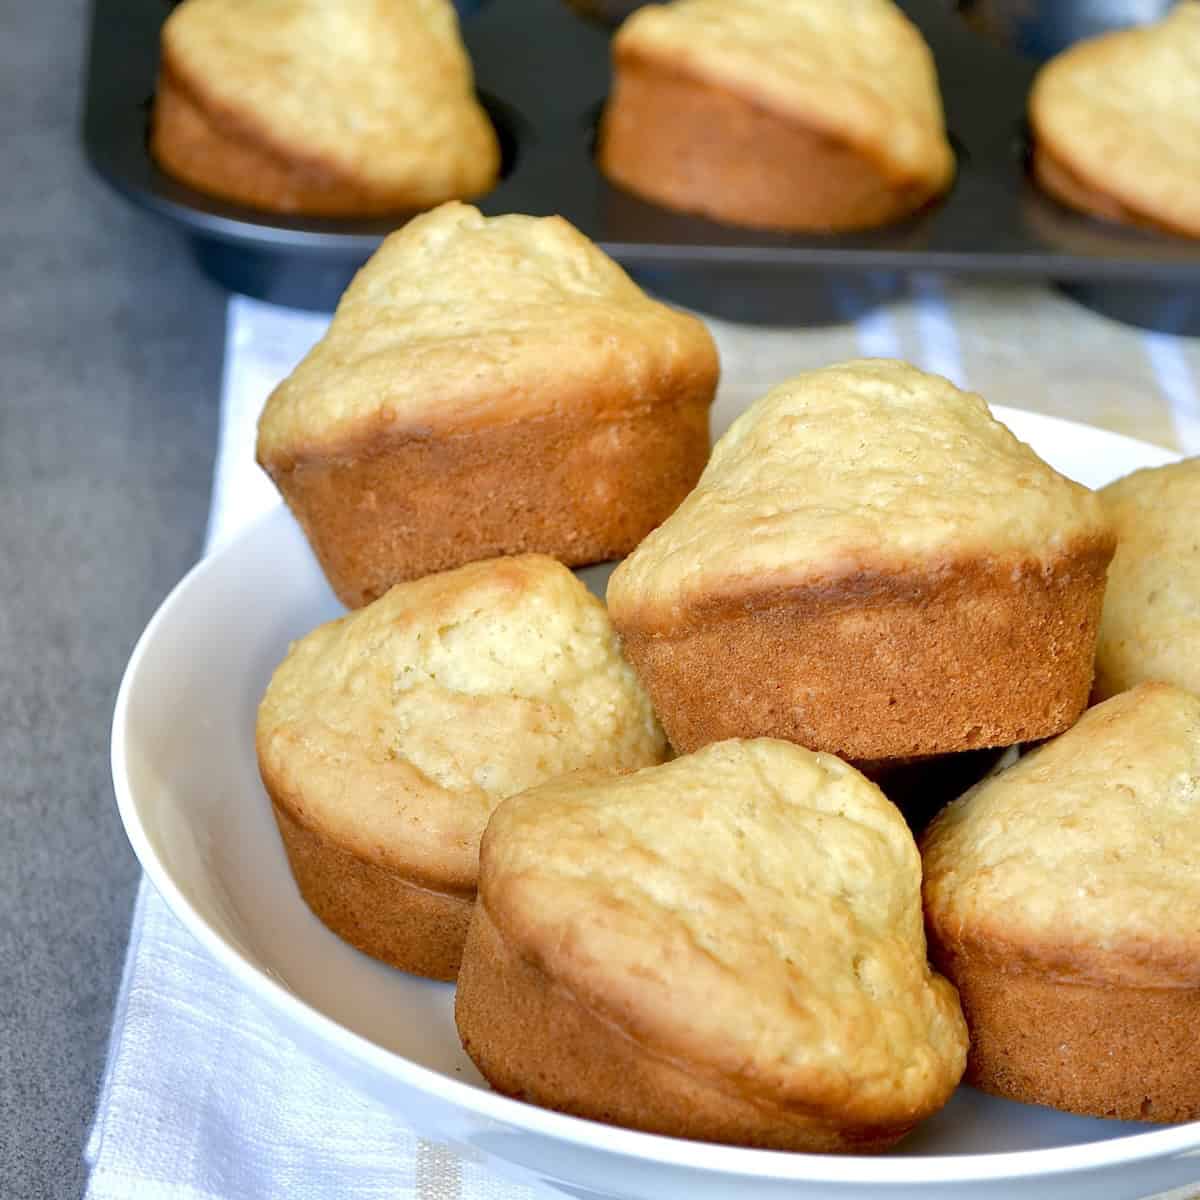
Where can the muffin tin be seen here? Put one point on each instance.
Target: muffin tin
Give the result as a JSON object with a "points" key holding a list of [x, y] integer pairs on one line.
{"points": [[543, 73]]}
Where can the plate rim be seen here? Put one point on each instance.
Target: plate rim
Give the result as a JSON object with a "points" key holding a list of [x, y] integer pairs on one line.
{"points": [[610, 1140]]}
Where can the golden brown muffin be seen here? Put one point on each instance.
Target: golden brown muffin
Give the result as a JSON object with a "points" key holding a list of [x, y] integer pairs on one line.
{"points": [[1063, 898], [777, 114], [1116, 124], [325, 107], [728, 947], [872, 566], [488, 386], [1150, 626], [386, 738]]}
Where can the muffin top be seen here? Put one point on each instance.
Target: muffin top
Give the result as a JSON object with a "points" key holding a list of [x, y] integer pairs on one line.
{"points": [[397, 729], [753, 906], [1122, 112], [460, 321], [1082, 859], [858, 70], [847, 478], [379, 90], [1150, 628]]}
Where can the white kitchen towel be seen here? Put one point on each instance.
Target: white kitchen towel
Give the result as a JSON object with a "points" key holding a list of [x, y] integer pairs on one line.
{"points": [[203, 1097]]}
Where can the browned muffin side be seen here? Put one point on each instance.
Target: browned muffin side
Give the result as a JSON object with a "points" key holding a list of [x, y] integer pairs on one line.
{"points": [[727, 947], [776, 114], [386, 738], [1062, 898], [321, 107], [870, 566], [488, 386], [1115, 122]]}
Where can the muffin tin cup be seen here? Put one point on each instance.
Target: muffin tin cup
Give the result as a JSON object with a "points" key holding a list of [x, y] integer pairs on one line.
{"points": [[761, 297], [1040, 29], [292, 280], [1162, 308], [545, 93]]}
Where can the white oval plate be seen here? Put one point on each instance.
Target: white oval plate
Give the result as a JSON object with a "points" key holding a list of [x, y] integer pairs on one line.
{"points": [[189, 794]]}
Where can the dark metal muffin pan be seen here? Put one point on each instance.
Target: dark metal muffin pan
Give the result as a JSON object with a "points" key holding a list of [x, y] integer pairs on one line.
{"points": [[543, 73]]}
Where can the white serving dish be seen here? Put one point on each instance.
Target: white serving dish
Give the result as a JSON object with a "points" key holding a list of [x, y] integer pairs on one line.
{"points": [[189, 794]]}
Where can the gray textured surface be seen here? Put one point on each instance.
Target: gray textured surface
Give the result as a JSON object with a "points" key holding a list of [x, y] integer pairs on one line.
{"points": [[111, 356]]}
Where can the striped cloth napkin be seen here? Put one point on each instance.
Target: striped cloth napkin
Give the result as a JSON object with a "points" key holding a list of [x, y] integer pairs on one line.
{"points": [[203, 1098]]}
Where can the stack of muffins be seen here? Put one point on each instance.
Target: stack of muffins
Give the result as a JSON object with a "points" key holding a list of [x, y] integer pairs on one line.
{"points": [[649, 839]]}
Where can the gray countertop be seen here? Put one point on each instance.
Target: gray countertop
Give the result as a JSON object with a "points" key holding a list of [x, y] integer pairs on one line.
{"points": [[112, 348]]}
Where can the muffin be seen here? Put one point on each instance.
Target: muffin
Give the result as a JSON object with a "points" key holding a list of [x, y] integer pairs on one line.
{"points": [[777, 114], [1115, 122], [386, 738], [323, 107], [727, 947], [487, 387], [871, 566], [1150, 626], [1063, 899]]}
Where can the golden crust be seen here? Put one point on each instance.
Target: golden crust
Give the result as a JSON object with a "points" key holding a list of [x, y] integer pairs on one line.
{"points": [[1118, 118], [1081, 860], [579, 489], [678, 141], [882, 668], [791, 974], [1061, 182], [872, 566], [319, 107], [393, 733], [865, 468], [591, 1068], [858, 73], [379, 911], [1098, 1050], [488, 386], [459, 322], [1150, 628], [397, 729], [1062, 897]]}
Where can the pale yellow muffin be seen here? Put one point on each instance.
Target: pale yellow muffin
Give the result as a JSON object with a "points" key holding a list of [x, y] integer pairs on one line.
{"points": [[783, 114], [1063, 898], [1116, 124], [488, 386], [386, 739], [727, 947], [872, 566], [1150, 627], [336, 107]]}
